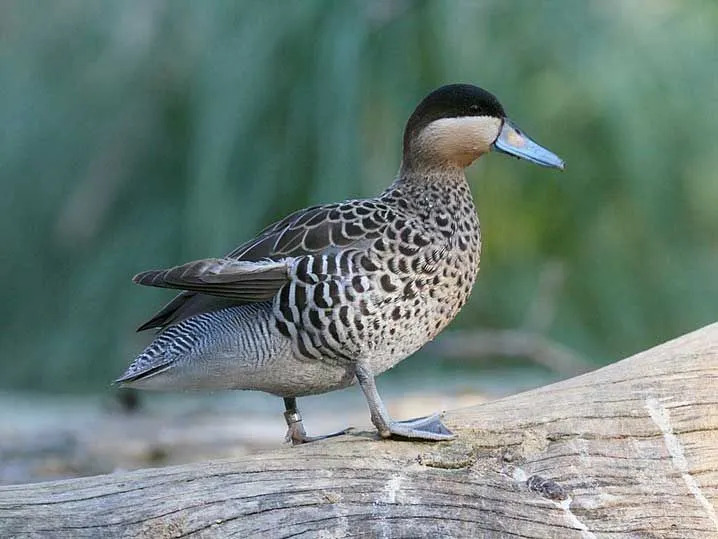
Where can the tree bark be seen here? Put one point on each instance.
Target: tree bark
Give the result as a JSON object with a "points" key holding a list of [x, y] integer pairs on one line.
{"points": [[630, 450]]}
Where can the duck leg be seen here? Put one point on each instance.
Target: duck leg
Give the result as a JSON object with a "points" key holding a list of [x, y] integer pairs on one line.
{"points": [[295, 428], [422, 428]]}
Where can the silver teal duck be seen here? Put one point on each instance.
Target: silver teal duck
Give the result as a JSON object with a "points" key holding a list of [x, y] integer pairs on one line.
{"points": [[336, 294]]}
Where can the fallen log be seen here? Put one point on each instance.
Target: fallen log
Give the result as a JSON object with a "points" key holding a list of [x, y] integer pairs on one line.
{"points": [[629, 450]]}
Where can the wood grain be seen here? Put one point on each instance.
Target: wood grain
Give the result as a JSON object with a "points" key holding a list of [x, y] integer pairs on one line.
{"points": [[630, 450]]}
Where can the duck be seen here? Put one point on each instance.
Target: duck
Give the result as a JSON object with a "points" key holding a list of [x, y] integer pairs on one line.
{"points": [[336, 294]]}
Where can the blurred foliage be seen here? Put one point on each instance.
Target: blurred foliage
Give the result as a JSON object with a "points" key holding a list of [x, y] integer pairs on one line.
{"points": [[145, 133]]}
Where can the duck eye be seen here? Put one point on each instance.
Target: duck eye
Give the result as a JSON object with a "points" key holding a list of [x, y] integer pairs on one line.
{"points": [[474, 108]]}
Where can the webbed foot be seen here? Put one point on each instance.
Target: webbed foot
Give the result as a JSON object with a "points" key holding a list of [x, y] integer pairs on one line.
{"points": [[421, 428], [428, 428]]}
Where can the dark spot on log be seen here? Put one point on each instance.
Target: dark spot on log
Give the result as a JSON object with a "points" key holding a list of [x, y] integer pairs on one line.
{"points": [[548, 488]]}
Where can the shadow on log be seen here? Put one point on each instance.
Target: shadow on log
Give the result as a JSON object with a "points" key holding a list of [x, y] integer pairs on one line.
{"points": [[630, 450]]}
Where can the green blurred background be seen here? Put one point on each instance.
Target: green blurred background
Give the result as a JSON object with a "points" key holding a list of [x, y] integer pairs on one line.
{"points": [[146, 133]]}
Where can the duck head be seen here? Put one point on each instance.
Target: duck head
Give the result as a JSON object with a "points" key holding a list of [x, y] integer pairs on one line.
{"points": [[456, 124]]}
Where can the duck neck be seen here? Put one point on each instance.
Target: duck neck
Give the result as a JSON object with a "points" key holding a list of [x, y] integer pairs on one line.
{"points": [[428, 190], [444, 174]]}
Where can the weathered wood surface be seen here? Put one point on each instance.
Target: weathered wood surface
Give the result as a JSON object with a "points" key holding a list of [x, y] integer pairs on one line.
{"points": [[630, 450], [53, 437]]}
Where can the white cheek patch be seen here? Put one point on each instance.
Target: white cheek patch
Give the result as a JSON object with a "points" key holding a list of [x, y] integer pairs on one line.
{"points": [[459, 140]]}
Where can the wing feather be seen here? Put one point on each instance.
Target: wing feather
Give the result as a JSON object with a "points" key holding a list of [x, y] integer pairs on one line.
{"points": [[239, 280], [213, 284]]}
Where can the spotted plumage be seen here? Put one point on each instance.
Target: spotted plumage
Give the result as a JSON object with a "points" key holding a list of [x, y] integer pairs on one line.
{"points": [[339, 293]]}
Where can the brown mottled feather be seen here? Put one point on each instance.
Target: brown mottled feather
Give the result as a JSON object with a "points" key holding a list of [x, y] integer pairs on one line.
{"points": [[314, 230]]}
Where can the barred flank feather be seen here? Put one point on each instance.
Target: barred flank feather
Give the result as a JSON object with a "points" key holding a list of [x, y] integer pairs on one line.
{"points": [[241, 330]]}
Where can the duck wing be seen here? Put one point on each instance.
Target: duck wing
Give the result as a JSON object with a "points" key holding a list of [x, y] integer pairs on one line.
{"points": [[239, 280], [256, 270]]}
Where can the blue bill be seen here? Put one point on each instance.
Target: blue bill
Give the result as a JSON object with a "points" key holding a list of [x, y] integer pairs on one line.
{"points": [[514, 142]]}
